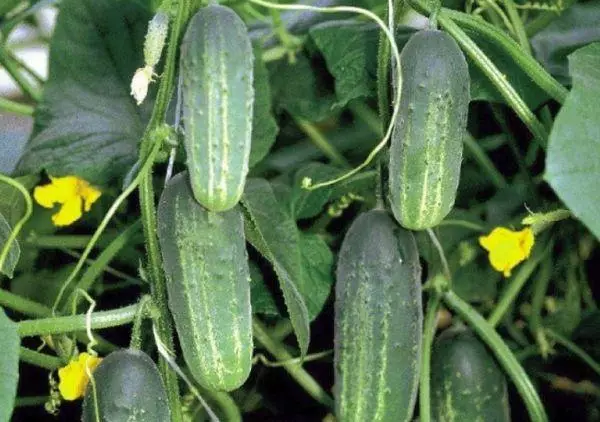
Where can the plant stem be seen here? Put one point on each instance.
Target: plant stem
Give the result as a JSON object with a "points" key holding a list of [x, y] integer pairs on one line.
{"points": [[68, 324], [516, 285], [462, 223], [130, 280], [229, 409], [68, 241], [539, 293], [428, 335], [39, 359], [148, 208], [97, 267], [13, 70], [484, 162], [517, 23], [15, 107], [34, 309], [505, 357], [321, 142], [573, 348], [526, 63], [23, 305], [303, 378]]}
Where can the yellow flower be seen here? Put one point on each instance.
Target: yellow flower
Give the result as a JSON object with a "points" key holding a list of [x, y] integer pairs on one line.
{"points": [[73, 377], [70, 191], [507, 248]]}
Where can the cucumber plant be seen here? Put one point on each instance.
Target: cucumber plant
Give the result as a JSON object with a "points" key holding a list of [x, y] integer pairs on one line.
{"points": [[267, 192]]}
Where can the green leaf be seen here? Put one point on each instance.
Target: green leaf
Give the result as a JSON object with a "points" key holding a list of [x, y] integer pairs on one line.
{"points": [[318, 262], [9, 366], [14, 250], [574, 28], [263, 301], [297, 89], [308, 203], [572, 164], [350, 51], [264, 125], [87, 123], [481, 87], [275, 235]]}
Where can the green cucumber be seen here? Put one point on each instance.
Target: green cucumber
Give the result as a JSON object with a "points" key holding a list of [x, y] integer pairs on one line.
{"points": [[126, 387], [466, 382], [427, 140], [378, 321], [218, 97], [208, 286]]}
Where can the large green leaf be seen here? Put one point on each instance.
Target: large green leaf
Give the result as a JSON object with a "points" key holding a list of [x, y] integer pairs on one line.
{"points": [[574, 28], [350, 51], [275, 235], [263, 301], [9, 366], [317, 261], [14, 250], [299, 89], [573, 158], [87, 123], [264, 125]]}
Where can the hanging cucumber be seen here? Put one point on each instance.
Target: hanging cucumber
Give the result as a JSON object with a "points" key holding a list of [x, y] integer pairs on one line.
{"points": [[208, 285], [218, 98], [126, 387], [427, 140], [466, 382], [378, 321]]}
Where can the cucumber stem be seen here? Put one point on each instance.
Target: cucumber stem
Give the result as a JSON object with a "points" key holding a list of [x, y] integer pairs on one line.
{"points": [[303, 378], [34, 309], [39, 359], [148, 207], [15, 107], [573, 348], [516, 285], [68, 324], [321, 142], [100, 263]]}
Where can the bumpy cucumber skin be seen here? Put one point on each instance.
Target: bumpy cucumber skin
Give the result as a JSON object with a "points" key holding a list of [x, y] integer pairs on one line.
{"points": [[128, 389], [378, 321], [208, 285], [466, 382], [427, 140], [218, 99]]}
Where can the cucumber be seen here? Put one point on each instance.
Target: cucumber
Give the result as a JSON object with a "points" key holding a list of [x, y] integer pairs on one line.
{"points": [[378, 321], [208, 286], [218, 98], [128, 388], [427, 140], [466, 382]]}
